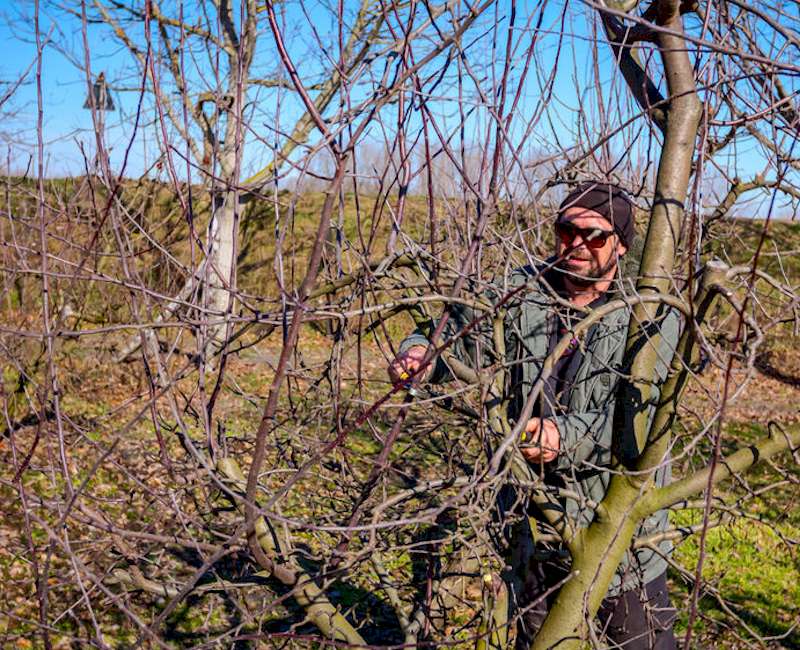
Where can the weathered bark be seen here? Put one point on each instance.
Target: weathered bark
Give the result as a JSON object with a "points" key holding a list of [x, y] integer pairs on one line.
{"points": [[642, 87]]}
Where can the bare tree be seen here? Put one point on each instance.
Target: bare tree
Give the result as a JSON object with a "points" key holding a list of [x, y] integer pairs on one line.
{"points": [[292, 495]]}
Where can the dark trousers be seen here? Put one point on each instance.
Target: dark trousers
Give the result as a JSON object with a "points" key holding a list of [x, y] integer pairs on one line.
{"points": [[639, 619]]}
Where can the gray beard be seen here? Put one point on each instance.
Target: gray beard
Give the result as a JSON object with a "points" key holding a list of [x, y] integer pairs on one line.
{"points": [[588, 278]]}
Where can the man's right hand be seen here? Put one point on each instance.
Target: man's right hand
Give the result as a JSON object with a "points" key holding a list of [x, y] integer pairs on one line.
{"points": [[407, 363], [542, 441]]}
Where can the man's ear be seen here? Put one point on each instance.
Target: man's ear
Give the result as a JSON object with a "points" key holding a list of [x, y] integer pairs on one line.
{"points": [[621, 248]]}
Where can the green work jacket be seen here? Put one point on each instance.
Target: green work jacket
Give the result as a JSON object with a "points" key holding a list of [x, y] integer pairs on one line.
{"points": [[586, 428]]}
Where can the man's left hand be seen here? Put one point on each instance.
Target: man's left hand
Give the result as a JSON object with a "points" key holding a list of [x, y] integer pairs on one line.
{"points": [[542, 438]]}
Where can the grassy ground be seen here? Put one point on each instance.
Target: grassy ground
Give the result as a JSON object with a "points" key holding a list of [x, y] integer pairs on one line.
{"points": [[752, 566], [754, 570]]}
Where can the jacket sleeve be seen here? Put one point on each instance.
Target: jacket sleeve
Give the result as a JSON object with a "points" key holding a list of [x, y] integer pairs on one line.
{"points": [[441, 373], [473, 349]]}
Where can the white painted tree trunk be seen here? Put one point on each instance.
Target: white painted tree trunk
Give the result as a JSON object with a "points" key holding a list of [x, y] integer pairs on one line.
{"points": [[220, 272]]}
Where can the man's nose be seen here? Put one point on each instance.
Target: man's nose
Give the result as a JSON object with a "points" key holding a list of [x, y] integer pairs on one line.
{"points": [[578, 241]]}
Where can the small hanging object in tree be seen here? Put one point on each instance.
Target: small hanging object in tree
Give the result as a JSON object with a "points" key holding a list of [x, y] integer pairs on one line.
{"points": [[102, 98]]}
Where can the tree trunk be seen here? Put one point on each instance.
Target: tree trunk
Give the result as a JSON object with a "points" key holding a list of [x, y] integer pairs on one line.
{"points": [[220, 276], [600, 548]]}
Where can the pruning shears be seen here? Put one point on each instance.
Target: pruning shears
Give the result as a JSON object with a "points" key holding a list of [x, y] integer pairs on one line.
{"points": [[444, 401]]}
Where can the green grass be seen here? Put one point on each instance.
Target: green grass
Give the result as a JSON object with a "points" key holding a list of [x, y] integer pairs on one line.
{"points": [[753, 569], [748, 562]]}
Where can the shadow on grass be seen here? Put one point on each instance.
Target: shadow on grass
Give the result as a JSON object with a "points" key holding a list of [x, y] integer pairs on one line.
{"points": [[765, 365], [783, 634], [376, 621]]}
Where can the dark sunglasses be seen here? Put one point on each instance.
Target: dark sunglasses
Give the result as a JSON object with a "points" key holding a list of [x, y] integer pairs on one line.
{"points": [[591, 237]]}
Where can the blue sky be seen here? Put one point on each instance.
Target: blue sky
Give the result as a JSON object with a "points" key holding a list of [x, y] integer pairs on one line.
{"points": [[67, 124], [69, 132]]}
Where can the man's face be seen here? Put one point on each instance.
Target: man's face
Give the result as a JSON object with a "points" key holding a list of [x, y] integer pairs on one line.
{"points": [[592, 258]]}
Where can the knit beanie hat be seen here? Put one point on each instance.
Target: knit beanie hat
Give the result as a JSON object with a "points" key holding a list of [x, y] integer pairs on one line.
{"points": [[609, 201]]}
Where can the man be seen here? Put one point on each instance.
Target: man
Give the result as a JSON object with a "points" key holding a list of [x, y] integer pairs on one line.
{"points": [[570, 434]]}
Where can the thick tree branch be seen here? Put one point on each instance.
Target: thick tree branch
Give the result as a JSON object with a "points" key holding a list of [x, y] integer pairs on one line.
{"points": [[646, 93], [778, 441]]}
